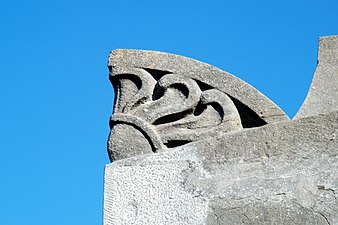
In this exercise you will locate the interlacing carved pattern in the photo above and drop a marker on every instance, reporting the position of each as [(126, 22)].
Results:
[(166, 110)]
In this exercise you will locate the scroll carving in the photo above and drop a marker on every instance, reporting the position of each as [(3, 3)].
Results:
[(160, 109)]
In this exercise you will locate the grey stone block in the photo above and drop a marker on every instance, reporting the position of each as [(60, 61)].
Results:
[(283, 173)]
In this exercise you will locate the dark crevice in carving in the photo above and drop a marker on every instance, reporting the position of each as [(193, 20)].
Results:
[(248, 117), (159, 91), (157, 74), (203, 86), (172, 117), (116, 82), (218, 108), (176, 143), (182, 88), (135, 79), (199, 109)]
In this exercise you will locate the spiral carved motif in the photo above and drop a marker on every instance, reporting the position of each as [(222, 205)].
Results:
[(157, 109)]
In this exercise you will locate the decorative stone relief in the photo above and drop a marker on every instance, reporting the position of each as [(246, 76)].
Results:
[(238, 160), (168, 105)]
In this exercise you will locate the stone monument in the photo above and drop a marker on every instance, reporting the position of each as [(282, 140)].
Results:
[(192, 144)]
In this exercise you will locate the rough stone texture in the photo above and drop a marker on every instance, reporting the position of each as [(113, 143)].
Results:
[(278, 174), (283, 173), (323, 93), (223, 171), (172, 100), (151, 193)]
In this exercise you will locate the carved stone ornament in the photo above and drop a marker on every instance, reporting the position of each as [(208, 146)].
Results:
[(164, 101), (238, 160)]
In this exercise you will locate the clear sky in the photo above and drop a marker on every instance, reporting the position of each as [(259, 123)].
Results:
[(56, 98)]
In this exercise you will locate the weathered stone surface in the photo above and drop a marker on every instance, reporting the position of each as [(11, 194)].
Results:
[(151, 193), (192, 147), (323, 93), (276, 172), (173, 100), (283, 173)]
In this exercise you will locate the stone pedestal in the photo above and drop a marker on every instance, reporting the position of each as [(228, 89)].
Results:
[(277, 174), (191, 144)]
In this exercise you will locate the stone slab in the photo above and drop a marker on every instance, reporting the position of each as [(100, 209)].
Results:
[(323, 93), (285, 173)]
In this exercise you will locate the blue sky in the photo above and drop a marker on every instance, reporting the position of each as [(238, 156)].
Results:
[(56, 98)]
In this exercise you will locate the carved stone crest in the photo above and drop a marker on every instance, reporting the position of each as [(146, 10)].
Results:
[(164, 101)]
